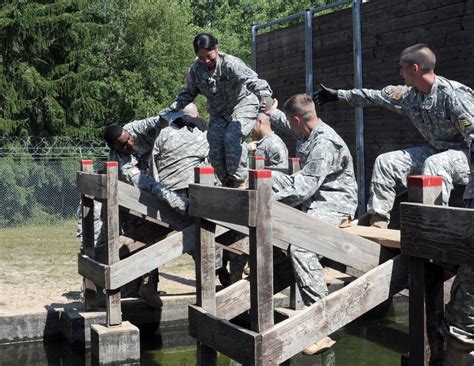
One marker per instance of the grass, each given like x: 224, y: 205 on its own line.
x: 37, y: 250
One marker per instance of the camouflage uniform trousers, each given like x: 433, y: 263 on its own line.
x: 459, y: 321
x: 392, y: 169
x: 309, y: 272
x: 227, y: 153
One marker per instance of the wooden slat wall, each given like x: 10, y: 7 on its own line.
x: 388, y: 26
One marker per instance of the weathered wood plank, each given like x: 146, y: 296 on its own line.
x: 235, y: 299
x: 92, y: 270
x: 236, y: 342
x: 114, y: 312
x: 386, y: 237
x: 94, y: 185
x: 146, y: 204
x: 88, y: 241
x: 225, y: 204
x: 444, y: 234
x: 289, y: 337
x: 205, y: 265
x: 261, y: 253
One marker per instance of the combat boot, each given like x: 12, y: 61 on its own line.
x: 379, y: 221
x: 148, y: 290
x: 321, y: 346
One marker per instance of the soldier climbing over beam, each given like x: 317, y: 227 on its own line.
x: 441, y: 109
x: 325, y: 187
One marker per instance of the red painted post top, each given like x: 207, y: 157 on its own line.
x: 204, y: 170
x: 423, y: 181
x: 259, y: 174
x: 294, y: 160
x: 86, y: 162
x: 259, y: 157
x: 110, y: 164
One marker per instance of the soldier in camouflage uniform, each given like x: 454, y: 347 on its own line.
x: 176, y: 152
x: 440, y: 109
x: 325, y: 186
x: 232, y: 91
x: 268, y: 144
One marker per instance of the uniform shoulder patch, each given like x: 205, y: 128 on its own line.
x: 394, y: 92
x: 463, y: 123
x: 134, y: 171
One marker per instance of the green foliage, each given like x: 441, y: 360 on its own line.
x: 71, y: 67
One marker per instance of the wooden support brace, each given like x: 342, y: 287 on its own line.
x: 426, y: 305
x: 114, y: 313
x: 88, y: 241
x: 261, y: 253
x: 93, y: 185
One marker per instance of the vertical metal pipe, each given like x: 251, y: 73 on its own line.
x: 254, y: 47
x: 308, y: 51
x: 359, y: 111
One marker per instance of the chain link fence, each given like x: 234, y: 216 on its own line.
x: 38, y: 178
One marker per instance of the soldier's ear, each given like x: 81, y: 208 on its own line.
x: 415, y: 68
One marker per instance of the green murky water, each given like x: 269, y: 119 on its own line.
x: 372, y: 340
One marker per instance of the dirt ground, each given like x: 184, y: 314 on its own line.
x: 38, y: 268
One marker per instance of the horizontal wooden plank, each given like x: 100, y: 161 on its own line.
x: 231, y: 205
x: 153, y: 256
x: 236, y: 342
x: 235, y: 299
x: 291, y: 336
x: 386, y: 237
x: 93, y: 270
x: 443, y: 234
x: 146, y: 204
x: 94, y: 185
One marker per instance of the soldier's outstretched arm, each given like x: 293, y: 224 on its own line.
x: 325, y: 95
x: 247, y: 76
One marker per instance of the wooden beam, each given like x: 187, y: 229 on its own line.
x: 148, y: 205
x: 93, y: 270
x: 227, y: 204
x: 386, y: 237
x: 308, y: 326
x: 236, y: 342
x: 91, y: 184
x: 235, y: 299
x: 444, y: 234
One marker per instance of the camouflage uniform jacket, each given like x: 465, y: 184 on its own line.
x: 134, y: 168
x: 444, y: 116
x: 326, y: 185
x: 230, y: 88
x: 177, y: 151
x: 273, y: 149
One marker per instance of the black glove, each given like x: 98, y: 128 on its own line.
x: 190, y: 123
x: 324, y: 95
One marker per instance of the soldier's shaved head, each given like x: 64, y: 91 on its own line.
x: 265, y: 118
x: 302, y: 105
x: 419, y: 54
x: 191, y: 110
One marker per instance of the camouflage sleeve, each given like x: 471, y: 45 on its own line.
x: 278, y: 119
x: 390, y: 97
x: 250, y: 78
x: 278, y: 155
x: 188, y: 93
x: 131, y: 174
x: 303, y: 185
x: 145, y: 126
x: 460, y: 110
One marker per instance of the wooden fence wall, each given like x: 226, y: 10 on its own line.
x: 388, y: 26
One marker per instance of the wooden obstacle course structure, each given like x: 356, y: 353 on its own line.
x: 431, y: 236
x: 266, y: 343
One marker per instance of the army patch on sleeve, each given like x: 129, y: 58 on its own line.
x: 134, y: 171
x: 463, y: 123
x: 394, y: 92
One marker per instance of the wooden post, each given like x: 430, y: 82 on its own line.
x: 257, y: 162
x: 261, y: 253
x: 205, y: 258
x: 296, y: 301
x: 293, y: 165
x: 114, y: 314
x: 88, y: 241
x: 426, y: 311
